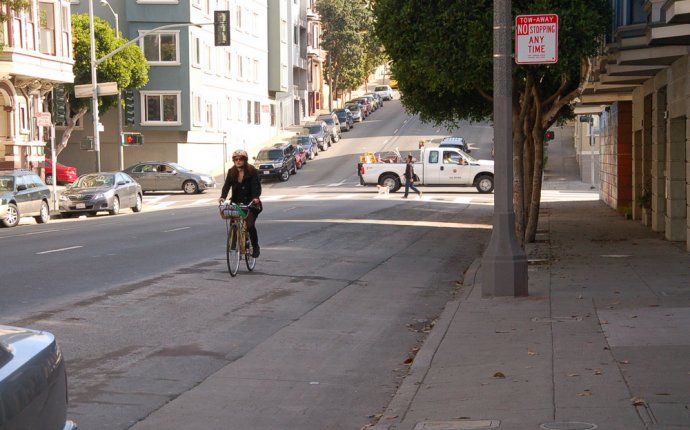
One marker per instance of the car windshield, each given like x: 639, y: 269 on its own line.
x: 301, y: 140
x: 328, y: 120
x: 178, y: 167
x: 341, y: 114
x: 313, y: 129
x: 269, y: 155
x: 381, y: 89
x: 6, y: 183
x: 352, y: 107
x: 94, y: 180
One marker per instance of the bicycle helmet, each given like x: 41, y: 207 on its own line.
x: 240, y: 153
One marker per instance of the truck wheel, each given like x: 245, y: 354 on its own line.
x: 485, y: 184
x: 391, y: 181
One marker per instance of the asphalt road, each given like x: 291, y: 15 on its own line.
x: 316, y: 337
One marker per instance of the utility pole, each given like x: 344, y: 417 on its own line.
x: 94, y: 89
x: 504, y: 265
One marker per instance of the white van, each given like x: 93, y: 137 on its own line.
x: 385, y: 91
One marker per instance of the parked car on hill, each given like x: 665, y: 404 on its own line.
x: 277, y: 161
x: 33, y: 382
x: 356, y: 110
x: 366, y: 105
x: 308, y: 143
x: 378, y: 100
x: 319, y: 130
x: 167, y: 176
x: 385, y: 91
x: 23, y: 193
x: 65, y: 174
x: 345, y: 118
x: 332, y: 125
x: 301, y: 155
x: 105, y: 191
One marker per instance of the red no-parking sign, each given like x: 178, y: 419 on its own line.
x: 536, y: 39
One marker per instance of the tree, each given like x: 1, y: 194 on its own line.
x: 441, y: 54
x: 346, y: 27
x: 128, y: 68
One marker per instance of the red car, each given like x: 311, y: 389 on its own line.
x: 65, y: 174
x: 301, y: 155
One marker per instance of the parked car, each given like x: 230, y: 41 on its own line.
x: 332, y: 125
x: 33, y: 382
x: 105, y: 191
x: 373, y: 100
x: 23, y: 193
x: 393, y: 83
x: 308, y: 143
x: 455, y: 142
x: 345, y: 118
x: 385, y: 91
x: 320, y: 131
x: 356, y: 110
x: 378, y: 100
x: 167, y: 176
x: 65, y: 174
x: 366, y: 105
x: 301, y: 155
x: 277, y: 160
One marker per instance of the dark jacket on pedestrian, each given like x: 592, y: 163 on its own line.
x: 409, y: 171
x: 242, y: 192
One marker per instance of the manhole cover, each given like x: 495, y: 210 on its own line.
x: 568, y: 425
x: 457, y: 425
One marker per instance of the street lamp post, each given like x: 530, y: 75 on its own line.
x: 121, y: 155
x: 94, y: 89
x: 504, y: 265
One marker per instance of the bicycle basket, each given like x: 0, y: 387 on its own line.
x: 232, y: 211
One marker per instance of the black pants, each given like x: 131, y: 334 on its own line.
x: 251, y: 220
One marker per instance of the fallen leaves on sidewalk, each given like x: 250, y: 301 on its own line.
x: 532, y: 353
x: 499, y: 375
x: 636, y: 401
x: 572, y: 375
x: 624, y: 361
x: 585, y: 393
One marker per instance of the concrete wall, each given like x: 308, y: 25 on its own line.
x: 616, y: 156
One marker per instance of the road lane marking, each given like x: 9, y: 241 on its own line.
x: 59, y: 250
x: 337, y: 184
x: 33, y: 233
x: 437, y: 224
x: 175, y: 229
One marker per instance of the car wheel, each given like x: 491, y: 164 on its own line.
x: 116, y: 206
x: 391, y: 181
x: 285, y: 175
x: 12, y: 217
x: 44, y: 213
x: 49, y: 179
x: 294, y: 168
x: 138, y: 206
x: 190, y: 187
x: 485, y: 184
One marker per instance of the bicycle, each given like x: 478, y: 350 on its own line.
x: 238, y: 243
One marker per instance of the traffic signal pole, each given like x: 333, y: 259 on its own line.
x: 120, y: 148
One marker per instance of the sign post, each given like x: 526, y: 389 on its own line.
x: 536, y: 39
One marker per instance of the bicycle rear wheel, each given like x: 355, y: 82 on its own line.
x: 232, y: 251
x: 251, y: 261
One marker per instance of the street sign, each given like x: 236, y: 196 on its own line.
x: 43, y: 119
x: 536, y: 39
x: 104, y: 89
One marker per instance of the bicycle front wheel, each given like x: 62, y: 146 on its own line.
x: 251, y: 261
x: 232, y: 251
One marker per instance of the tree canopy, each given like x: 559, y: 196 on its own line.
x: 128, y: 68
x: 441, y: 54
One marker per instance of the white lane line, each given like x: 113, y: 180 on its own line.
x: 345, y: 196
x: 175, y: 229
x: 58, y: 250
x: 272, y: 198
x: 153, y: 199
x: 465, y: 200
x: 337, y: 184
x: 162, y: 204
x: 32, y: 233
x: 199, y: 202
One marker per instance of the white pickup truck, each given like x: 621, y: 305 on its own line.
x: 438, y: 167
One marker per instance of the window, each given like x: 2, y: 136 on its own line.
x: 273, y: 115
x: 240, y: 67
x: 433, y: 157
x: 255, y: 24
x: 196, y: 52
x: 283, y: 31
x: 228, y: 64
x: 283, y: 76
x: 255, y: 70
x: 208, y: 7
x: 46, y: 17
x: 249, y: 111
x: 208, y: 58
x: 66, y: 26
x: 31, y: 28
x: 210, y: 116
x: 196, y: 110
x: 161, y: 108
x: 161, y: 48
x: 228, y: 113
x: 238, y: 17
x: 257, y: 113
x: 239, y: 110
x: 295, y: 35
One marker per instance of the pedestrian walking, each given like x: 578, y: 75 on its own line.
x: 410, y: 178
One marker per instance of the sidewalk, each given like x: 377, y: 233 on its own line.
x: 602, y: 341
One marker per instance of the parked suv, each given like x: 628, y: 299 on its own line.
x: 320, y: 131
x: 384, y: 91
x: 346, y: 119
x: 332, y: 125
x: 455, y: 142
x: 22, y: 193
x: 277, y: 160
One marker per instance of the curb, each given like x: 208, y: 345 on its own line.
x: 402, y: 400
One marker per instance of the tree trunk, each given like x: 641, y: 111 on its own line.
x: 71, y: 123
x: 537, y: 139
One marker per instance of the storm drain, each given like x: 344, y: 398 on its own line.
x: 457, y: 425
x: 568, y: 425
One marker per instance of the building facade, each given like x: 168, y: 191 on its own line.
x: 36, y: 55
x: 641, y: 84
x: 316, y: 60
x: 203, y: 101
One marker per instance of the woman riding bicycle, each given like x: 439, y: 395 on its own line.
x: 243, y: 179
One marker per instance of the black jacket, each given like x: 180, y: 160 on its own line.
x: 409, y: 171
x: 242, y: 192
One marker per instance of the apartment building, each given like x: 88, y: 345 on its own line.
x: 640, y: 95
x: 36, y: 54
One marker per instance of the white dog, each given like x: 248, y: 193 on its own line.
x: 383, y: 190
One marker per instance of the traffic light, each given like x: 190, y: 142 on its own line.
x: 221, y: 27
x: 130, y: 139
x: 59, y: 104
x: 129, y: 107
x: 549, y: 135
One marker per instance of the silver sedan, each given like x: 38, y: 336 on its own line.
x: 167, y: 176
x: 105, y: 191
